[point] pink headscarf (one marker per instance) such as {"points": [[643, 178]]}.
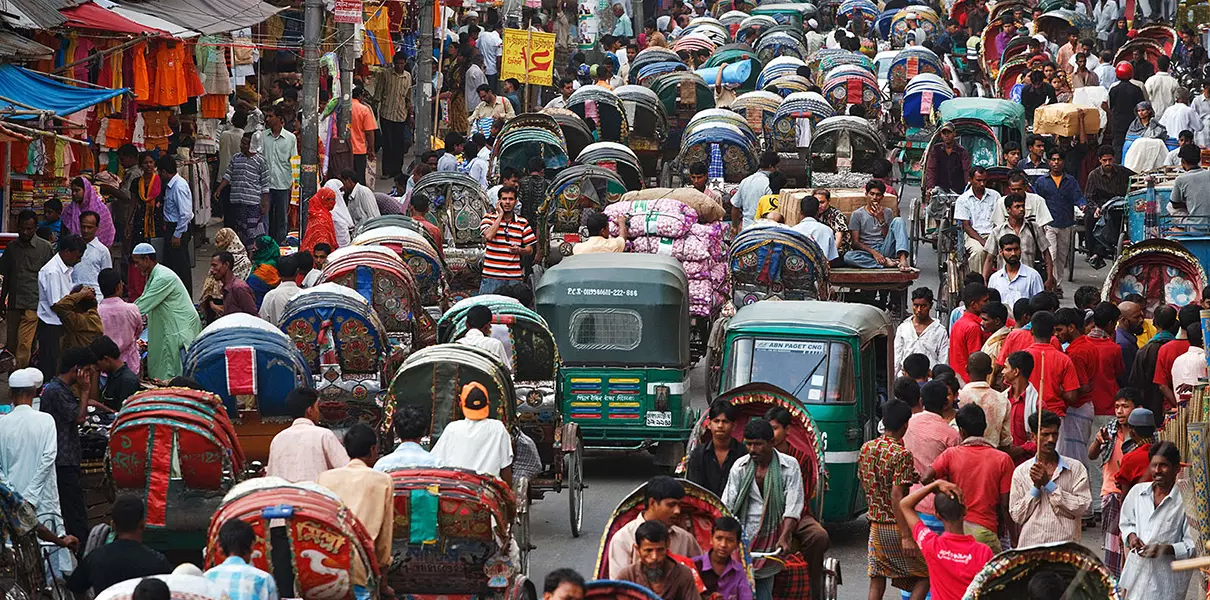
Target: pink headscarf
{"points": [[92, 201]]}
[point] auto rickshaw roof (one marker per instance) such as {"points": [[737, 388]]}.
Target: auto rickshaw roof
{"points": [[617, 267], [993, 111], [862, 320]]}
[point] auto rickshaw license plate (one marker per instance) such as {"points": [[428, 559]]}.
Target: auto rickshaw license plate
{"points": [[659, 418]]}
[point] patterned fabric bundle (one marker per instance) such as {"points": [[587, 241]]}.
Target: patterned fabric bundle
{"points": [[665, 218]]}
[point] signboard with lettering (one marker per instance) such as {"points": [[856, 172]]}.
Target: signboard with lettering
{"points": [[529, 57], [348, 11]]}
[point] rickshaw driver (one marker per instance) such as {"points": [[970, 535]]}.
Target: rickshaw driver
{"points": [[812, 538], [973, 211], [947, 164]]}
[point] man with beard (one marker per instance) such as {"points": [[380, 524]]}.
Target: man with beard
{"points": [[1050, 492], [1129, 328], [1034, 248], [1015, 280], [1142, 372]]}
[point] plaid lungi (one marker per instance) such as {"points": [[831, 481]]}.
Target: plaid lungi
{"points": [[248, 221], [888, 558], [1111, 511], [715, 169]]}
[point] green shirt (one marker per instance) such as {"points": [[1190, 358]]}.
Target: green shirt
{"points": [[278, 150], [19, 266]]}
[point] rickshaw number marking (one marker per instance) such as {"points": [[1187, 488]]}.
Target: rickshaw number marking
{"points": [[789, 346], [659, 418], [611, 292]]}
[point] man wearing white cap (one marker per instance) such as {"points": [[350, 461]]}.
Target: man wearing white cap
{"points": [[28, 444], [172, 321]]}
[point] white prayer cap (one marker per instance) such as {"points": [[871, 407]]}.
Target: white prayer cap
{"points": [[28, 377], [813, 24], [143, 249], [472, 14]]}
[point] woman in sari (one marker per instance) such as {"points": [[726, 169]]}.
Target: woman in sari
{"points": [[1145, 125], [320, 226], [264, 277], [341, 217], [146, 218], [84, 197], [212, 289]]}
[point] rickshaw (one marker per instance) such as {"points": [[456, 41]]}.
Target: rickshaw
{"points": [[654, 61], [160, 427], [694, 48], [648, 124], [1054, 24], [1015, 47], [731, 54], [751, 28], [799, 105], [577, 189], [924, 96], [782, 40], [1008, 78], [768, 262], [395, 221], [786, 13], [834, 358], [710, 28], [251, 366], [731, 15], [683, 95], [1005, 117], [458, 204], [726, 132], [345, 344], [848, 88], [777, 67], [926, 18], [910, 62], [620, 381], [325, 540], [1151, 48], [759, 109], [843, 152], [399, 290], [534, 368], [22, 566], [1007, 575], [613, 589], [575, 130], [861, 14], [617, 157], [699, 509], [452, 536], [1163, 271], [605, 116], [882, 23], [527, 136], [823, 62]]}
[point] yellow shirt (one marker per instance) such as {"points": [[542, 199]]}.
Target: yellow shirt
{"points": [[1149, 332], [766, 205], [597, 244]]}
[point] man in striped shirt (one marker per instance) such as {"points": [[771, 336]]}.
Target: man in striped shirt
{"points": [[508, 237]]}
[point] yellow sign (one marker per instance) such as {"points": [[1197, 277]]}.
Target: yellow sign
{"points": [[529, 56]]}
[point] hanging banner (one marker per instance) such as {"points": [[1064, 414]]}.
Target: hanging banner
{"points": [[528, 56], [588, 24], [348, 11]]}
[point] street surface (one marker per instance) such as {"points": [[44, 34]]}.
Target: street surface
{"points": [[611, 476]]}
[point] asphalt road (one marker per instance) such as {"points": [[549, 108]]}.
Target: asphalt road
{"points": [[612, 476]]}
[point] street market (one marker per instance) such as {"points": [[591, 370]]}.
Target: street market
{"points": [[643, 299]]}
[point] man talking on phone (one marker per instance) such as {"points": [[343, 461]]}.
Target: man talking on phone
{"points": [[508, 237]]}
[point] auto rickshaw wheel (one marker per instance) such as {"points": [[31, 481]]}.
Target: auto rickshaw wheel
{"points": [[573, 472]]}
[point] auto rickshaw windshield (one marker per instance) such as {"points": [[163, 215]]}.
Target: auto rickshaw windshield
{"points": [[814, 371]]}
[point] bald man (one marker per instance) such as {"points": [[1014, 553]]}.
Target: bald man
{"points": [[1130, 325]]}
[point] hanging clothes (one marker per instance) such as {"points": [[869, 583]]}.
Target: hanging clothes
{"points": [[378, 48], [139, 82], [169, 88]]}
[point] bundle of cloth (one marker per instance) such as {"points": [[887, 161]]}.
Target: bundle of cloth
{"points": [[670, 227]]}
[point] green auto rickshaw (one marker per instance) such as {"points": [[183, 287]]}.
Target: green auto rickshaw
{"points": [[621, 322], [835, 358]]}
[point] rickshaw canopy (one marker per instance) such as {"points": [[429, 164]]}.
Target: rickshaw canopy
{"points": [[605, 309], [1004, 115]]}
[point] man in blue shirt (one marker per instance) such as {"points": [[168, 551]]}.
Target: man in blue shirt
{"points": [[410, 425], [1062, 194], [178, 213], [238, 579]]}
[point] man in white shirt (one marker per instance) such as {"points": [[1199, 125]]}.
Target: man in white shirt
{"points": [[96, 254], [359, 198], [275, 301], [1201, 104], [823, 235], [1106, 71], [1161, 87], [1180, 116], [491, 46], [54, 282], [921, 333], [478, 166], [973, 211], [566, 87], [476, 442], [1036, 210], [1174, 159], [479, 334], [747, 195], [1015, 280]]}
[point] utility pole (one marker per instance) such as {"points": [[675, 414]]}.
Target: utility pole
{"points": [[425, 94], [346, 41], [309, 144]]}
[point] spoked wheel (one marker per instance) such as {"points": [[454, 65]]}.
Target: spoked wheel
{"points": [[831, 579], [946, 269], [573, 470], [522, 538]]}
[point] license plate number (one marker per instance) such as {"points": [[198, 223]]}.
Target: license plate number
{"points": [[656, 418]]}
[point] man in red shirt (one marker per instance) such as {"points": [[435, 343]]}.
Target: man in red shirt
{"points": [[953, 558], [1187, 315], [967, 335], [1023, 399], [1054, 375], [1021, 338], [1136, 462], [984, 473], [1109, 373], [1077, 425]]}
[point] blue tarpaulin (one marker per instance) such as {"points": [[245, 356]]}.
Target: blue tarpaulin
{"points": [[43, 93]]}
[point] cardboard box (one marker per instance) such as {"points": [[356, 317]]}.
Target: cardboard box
{"points": [[1066, 120]]}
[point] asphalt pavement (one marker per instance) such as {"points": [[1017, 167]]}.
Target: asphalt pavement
{"points": [[611, 476]]}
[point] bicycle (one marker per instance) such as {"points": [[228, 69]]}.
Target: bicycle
{"points": [[951, 250]]}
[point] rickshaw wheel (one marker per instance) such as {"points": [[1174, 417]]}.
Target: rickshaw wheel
{"points": [[573, 472], [522, 539], [831, 579]]}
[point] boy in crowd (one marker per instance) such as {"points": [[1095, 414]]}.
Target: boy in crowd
{"points": [[721, 573]]}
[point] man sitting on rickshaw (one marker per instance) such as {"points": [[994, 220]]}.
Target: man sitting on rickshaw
{"points": [[973, 211], [663, 504], [877, 234], [947, 163], [712, 460], [812, 538], [477, 442], [764, 489], [724, 575], [654, 569]]}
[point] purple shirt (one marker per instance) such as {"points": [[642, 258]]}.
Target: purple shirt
{"points": [[123, 324], [238, 298], [732, 583]]}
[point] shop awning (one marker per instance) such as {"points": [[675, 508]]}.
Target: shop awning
{"points": [[43, 93], [15, 47], [206, 16], [147, 20], [44, 14], [92, 17]]}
